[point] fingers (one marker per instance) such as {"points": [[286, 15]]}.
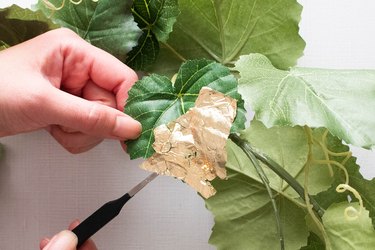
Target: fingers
{"points": [[66, 240], [73, 141], [88, 117], [93, 92], [44, 243], [89, 244]]}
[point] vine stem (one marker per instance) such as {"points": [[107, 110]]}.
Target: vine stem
{"points": [[276, 168], [266, 183]]}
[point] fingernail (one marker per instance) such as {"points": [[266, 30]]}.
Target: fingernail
{"points": [[127, 128], [44, 242], [64, 240]]}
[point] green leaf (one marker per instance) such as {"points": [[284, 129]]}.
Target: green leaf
{"points": [[244, 216], [158, 16], [313, 148], [145, 53], [18, 25], [340, 100], [346, 234], [154, 100], [107, 24], [156, 19], [364, 187], [224, 30], [313, 243], [241, 206], [288, 146]]}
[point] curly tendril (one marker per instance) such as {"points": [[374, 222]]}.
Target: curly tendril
{"points": [[351, 213], [307, 166], [327, 153]]}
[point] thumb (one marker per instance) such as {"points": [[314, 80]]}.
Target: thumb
{"points": [[89, 117], [65, 240]]}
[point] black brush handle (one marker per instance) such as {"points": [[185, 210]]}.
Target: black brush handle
{"points": [[99, 219]]}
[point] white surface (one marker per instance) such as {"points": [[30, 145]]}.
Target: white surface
{"points": [[43, 188]]}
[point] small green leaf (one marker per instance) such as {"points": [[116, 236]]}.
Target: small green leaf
{"points": [[340, 100], [107, 24], [154, 100], [19, 25], [156, 19], [357, 234], [224, 30]]}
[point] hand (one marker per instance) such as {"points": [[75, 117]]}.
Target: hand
{"points": [[66, 240], [59, 82]]}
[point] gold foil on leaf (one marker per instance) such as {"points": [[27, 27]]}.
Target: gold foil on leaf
{"points": [[192, 148]]}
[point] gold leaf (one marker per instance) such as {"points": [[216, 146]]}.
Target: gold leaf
{"points": [[192, 148]]}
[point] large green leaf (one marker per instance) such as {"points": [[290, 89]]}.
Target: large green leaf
{"points": [[244, 216], [347, 234], [294, 148], [156, 19], [18, 25], [341, 100], [224, 30], [107, 24], [154, 100], [288, 146]]}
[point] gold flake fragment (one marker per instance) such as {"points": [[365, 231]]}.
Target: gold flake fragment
{"points": [[192, 148]]}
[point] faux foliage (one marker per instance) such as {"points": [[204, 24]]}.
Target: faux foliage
{"points": [[19, 25], [224, 30], [303, 116], [156, 100], [155, 18], [107, 24], [313, 97]]}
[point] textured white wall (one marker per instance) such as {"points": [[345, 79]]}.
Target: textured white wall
{"points": [[42, 187]]}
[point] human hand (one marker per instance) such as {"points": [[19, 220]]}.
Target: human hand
{"points": [[66, 240], [59, 82]]}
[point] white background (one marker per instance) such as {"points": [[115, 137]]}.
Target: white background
{"points": [[43, 188]]}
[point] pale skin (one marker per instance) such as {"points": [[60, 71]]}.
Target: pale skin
{"points": [[75, 91], [60, 83], [66, 240]]}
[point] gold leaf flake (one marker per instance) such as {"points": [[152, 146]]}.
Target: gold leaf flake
{"points": [[192, 148]]}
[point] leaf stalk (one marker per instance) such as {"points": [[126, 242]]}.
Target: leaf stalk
{"points": [[266, 182], [277, 169]]}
